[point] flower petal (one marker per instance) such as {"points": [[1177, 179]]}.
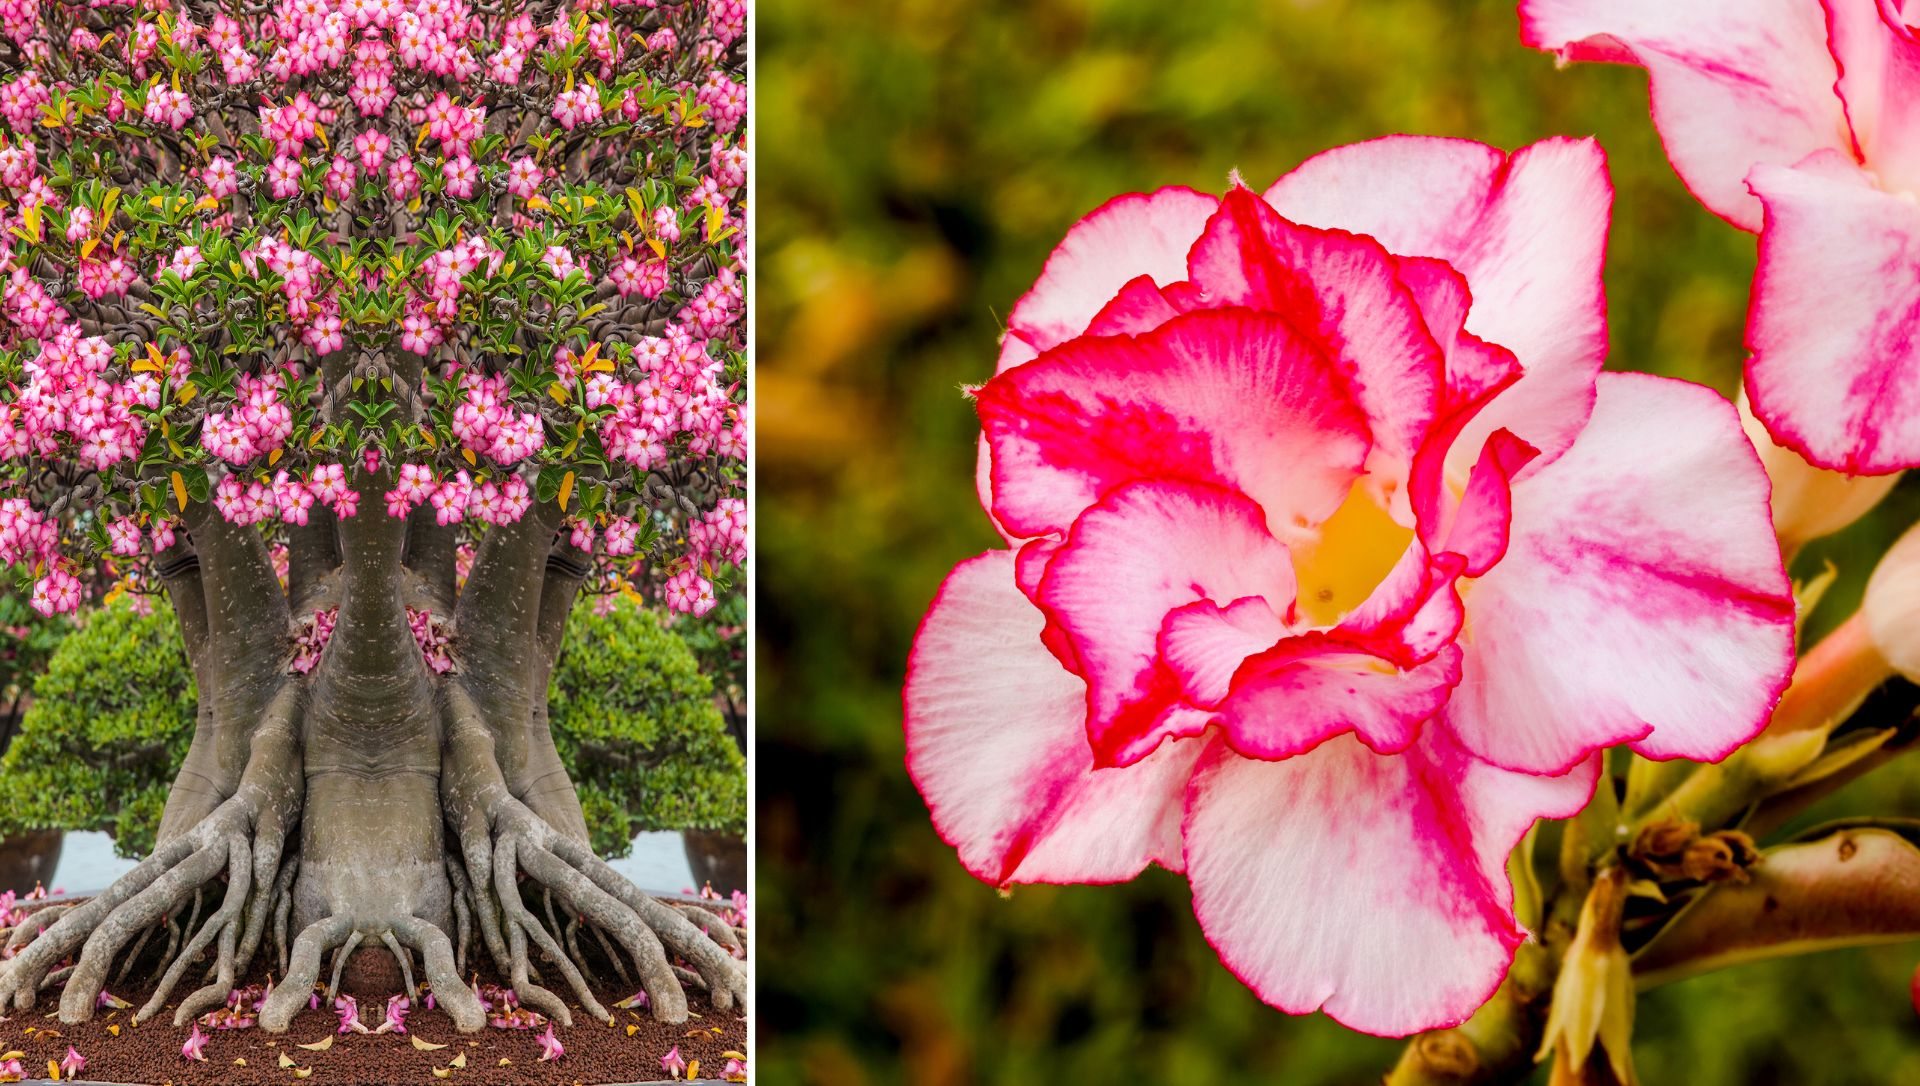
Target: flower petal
{"points": [[1835, 373], [1527, 231], [1228, 398], [1131, 561], [1292, 697], [1642, 597], [1880, 83], [1346, 292], [1133, 235], [997, 743], [1369, 886], [1734, 83]]}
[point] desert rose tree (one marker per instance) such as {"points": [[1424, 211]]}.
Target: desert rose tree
{"points": [[372, 332]]}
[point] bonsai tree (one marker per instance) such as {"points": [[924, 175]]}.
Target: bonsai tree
{"points": [[634, 719], [435, 309]]}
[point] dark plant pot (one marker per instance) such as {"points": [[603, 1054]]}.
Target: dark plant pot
{"points": [[29, 858], [717, 858]]}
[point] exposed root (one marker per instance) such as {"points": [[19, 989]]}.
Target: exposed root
{"points": [[340, 957], [650, 934], [34, 923], [405, 958], [303, 971], [461, 1003], [239, 867]]}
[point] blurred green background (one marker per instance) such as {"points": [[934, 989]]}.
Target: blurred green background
{"points": [[918, 160]]}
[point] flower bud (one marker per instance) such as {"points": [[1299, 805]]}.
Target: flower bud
{"points": [[1593, 996], [1810, 502], [1891, 607]]}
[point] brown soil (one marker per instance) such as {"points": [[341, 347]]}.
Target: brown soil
{"points": [[596, 1053]]}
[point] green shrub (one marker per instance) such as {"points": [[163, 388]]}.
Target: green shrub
{"points": [[633, 718], [109, 725], [636, 724]]}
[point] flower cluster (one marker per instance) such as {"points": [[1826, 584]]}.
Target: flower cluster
{"points": [[1796, 120], [332, 253], [1319, 493]]}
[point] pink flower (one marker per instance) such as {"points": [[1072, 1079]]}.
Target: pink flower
{"points": [[107, 999], [1259, 462], [550, 1048], [57, 593], [1798, 120], [348, 1008], [195, 1042], [673, 1063], [72, 1063]]}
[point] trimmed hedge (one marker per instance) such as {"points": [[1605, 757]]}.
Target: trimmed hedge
{"points": [[633, 718], [109, 725], [636, 724]]}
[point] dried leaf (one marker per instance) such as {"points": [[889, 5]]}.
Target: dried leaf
{"points": [[115, 1030], [730, 1054], [318, 1046], [426, 1046], [239, 1061], [693, 1070], [286, 1060], [303, 1072], [504, 1061], [442, 1072], [459, 1061], [632, 1029]]}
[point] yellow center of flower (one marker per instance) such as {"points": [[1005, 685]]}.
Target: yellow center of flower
{"points": [[1353, 551]]}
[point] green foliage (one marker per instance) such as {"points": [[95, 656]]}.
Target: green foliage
{"points": [[632, 715], [27, 641], [929, 156], [635, 722], [111, 719]]}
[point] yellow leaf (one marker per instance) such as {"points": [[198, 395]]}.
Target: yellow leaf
{"points": [[566, 490], [693, 1070], [426, 1046], [206, 203], [274, 456], [459, 1061], [730, 1054], [115, 1030], [593, 352], [11, 1054], [413, 204], [558, 390], [604, 365], [157, 203], [442, 1072], [426, 435], [87, 247], [321, 131], [318, 1046], [715, 217], [659, 247], [315, 439], [632, 1029], [31, 217], [467, 454], [422, 137], [286, 1060], [53, 1070], [187, 393], [327, 202], [538, 202], [589, 202], [179, 489], [303, 1072], [504, 1061], [239, 1061]]}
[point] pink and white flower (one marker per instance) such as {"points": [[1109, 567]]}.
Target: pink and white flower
{"points": [[1798, 120], [1320, 496]]}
